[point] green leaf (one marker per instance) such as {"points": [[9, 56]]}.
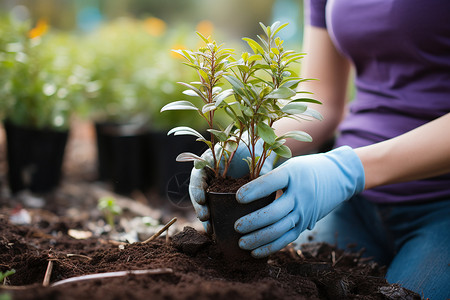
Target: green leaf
{"points": [[184, 130], [222, 96], [202, 37], [291, 82], [283, 151], [208, 107], [294, 108], [220, 135], [266, 133], [313, 113], [238, 86], [203, 74], [179, 105], [254, 45], [188, 156], [190, 93], [297, 135], [196, 90], [282, 93], [200, 164], [275, 51], [231, 146], [309, 100], [276, 28]]}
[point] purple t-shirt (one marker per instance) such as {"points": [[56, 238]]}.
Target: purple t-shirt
{"points": [[401, 53]]}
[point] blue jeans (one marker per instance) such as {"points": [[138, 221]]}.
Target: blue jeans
{"points": [[412, 240]]}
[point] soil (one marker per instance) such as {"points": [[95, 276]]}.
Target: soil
{"points": [[65, 230], [227, 184], [189, 267]]}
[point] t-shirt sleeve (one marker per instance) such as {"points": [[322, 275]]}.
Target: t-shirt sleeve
{"points": [[315, 13]]}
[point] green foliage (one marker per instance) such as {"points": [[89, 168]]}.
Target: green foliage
{"points": [[133, 73], [123, 71], [41, 84], [109, 208], [6, 274], [263, 85]]}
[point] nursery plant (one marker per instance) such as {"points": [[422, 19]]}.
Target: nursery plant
{"points": [[263, 90], [41, 86]]}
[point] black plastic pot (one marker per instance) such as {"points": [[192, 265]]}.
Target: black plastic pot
{"points": [[224, 212], [122, 157], [34, 157], [171, 178]]}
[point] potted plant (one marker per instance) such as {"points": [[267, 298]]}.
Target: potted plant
{"points": [[41, 88], [262, 85], [132, 76]]}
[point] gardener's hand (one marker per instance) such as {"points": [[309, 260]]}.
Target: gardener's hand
{"points": [[237, 169], [313, 186]]}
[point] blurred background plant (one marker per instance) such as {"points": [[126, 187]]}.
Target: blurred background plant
{"points": [[41, 83]]}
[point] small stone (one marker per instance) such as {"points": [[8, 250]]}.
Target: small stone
{"points": [[190, 241]]}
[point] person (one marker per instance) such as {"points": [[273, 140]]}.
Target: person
{"points": [[385, 186]]}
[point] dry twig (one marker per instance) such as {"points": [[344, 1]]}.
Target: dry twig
{"points": [[166, 227], [114, 274], [78, 256], [48, 273]]}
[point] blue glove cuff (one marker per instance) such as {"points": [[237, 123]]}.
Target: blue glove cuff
{"points": [[351, 167]]}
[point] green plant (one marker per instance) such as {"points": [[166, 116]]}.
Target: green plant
{"points": [[42, 85], [6, 274], [263, 85], [109, 208], [132, 71]]}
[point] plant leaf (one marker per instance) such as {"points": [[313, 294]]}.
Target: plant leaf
{"points": [[283, 151], [222, 96], [266, 133], [184, 130], [254, 45], [309, 100], [282, 93], [297, 135], [294, 108], [313, 113], [187, 156], [179, 105], [208, 107], [220, 135]]}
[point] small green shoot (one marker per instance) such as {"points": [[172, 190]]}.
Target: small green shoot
{"points": [[6, 274], [109, 208]]}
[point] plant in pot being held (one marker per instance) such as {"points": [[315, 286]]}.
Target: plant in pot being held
{"points": [[262, 86]]}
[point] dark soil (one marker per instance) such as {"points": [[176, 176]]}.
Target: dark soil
{"points": [[226, 185], [197, 271]]}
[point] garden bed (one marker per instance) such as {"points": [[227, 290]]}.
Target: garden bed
{"points": [[185, 266]]}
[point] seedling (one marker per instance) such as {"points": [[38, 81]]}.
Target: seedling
{"points": [[263, 87], [109, 208], [6, 274]]}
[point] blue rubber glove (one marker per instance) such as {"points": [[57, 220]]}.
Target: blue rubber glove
{"points": [[237, 169], [313, 186]]}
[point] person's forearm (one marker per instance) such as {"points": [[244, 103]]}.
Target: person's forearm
{"points": [[421, 153]]}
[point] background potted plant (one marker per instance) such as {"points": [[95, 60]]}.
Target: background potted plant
{"points": [[132, 76], [41, 88], [262, 86]]}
